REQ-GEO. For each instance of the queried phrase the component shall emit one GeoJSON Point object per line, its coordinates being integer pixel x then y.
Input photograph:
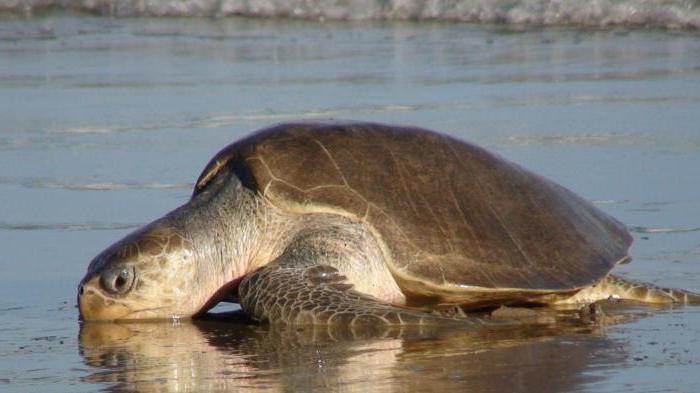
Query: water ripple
{"type": "Point", "coordinates": [221, 121]}
{"type": "Point", "coordinates": [95, 186]}
{"type": "Point", "coordinates": [111, 186]}
{"type": "Point", "coordinates": [65, 226]}
{"type": "Point", "coordinates": [642, 229]}
{"type": "Point", "coordinates": [688, 142]}
{"type": "Point", "coordinates": [609, 201]}
{"type": "Point", "coordinates": [576, 139]}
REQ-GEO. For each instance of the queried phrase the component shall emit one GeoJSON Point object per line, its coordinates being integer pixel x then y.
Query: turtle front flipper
{"type": "Point", "coordinates": [321, 295]}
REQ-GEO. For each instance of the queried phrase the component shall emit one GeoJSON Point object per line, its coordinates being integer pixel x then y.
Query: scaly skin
{"type": "Point", "coordinates": [320, 295]}
{"type": "Point", "coordinates": [616, 287]}
{"type": "Point", "coordinates": [331, 272]}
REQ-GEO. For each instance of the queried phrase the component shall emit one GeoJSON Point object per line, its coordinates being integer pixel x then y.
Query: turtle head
{"type": "Point", "coordinates": [177, 266]}
{"type": "Point", "coordinates": [147, 275]}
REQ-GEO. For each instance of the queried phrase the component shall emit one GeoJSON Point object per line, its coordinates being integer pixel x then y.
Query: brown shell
{"type": "Point", "coordinates": [449, 214]}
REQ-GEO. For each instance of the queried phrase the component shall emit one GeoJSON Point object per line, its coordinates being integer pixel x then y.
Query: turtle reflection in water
{"type": "Point", "coordinates": [216, 353]}
{"type": "Point", "coordinates": [345, 223]}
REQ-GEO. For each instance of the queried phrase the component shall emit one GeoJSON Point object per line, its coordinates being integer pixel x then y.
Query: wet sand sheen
{"type": "Point", "coordinates": [107, 123]}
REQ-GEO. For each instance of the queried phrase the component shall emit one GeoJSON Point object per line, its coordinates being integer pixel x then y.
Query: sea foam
{"type": "Point", "coordinates": [589, 13]}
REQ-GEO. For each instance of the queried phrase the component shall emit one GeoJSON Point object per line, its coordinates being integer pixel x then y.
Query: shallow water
{"type": "Point", "coordinates": [106, 123]}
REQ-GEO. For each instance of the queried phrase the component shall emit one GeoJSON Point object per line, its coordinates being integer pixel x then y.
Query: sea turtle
{"type": "Point", "coordinates": [363, 223]}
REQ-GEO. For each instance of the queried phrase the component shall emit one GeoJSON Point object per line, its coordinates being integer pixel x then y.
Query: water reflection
{"type": "Point", "coordinates": [230, 353]}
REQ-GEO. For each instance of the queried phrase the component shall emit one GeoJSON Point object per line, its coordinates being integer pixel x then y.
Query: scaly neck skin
{"type": "Point", "coordinates": [231, 236]}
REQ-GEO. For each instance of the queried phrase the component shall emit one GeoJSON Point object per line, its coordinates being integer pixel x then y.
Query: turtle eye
{"type": "Point", "coordinates": [119, 280]}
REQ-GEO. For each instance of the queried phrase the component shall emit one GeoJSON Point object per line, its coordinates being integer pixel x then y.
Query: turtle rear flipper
{"type": "Point", "coordinates": [321, 295]}
{"type": "Point", "coordinates": [616, 287]}
{"type": "Point", "coordinates": [648, 293]}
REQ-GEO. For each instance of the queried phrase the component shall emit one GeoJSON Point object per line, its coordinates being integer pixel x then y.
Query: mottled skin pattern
{"type": "Point", "coordinates": [364, 224]}
{"type": "Point", "coordinates": [615, 287]}
{"type": "Point", "coordinates": [164, 250]}
{"type": "Point", "coordinates": [320, 295]}
{"type": "Point", "coordinates": [305, 285]}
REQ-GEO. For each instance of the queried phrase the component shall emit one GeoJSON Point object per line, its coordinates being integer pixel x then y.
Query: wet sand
{"type": "Point", "coordinates": [106, 123]}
